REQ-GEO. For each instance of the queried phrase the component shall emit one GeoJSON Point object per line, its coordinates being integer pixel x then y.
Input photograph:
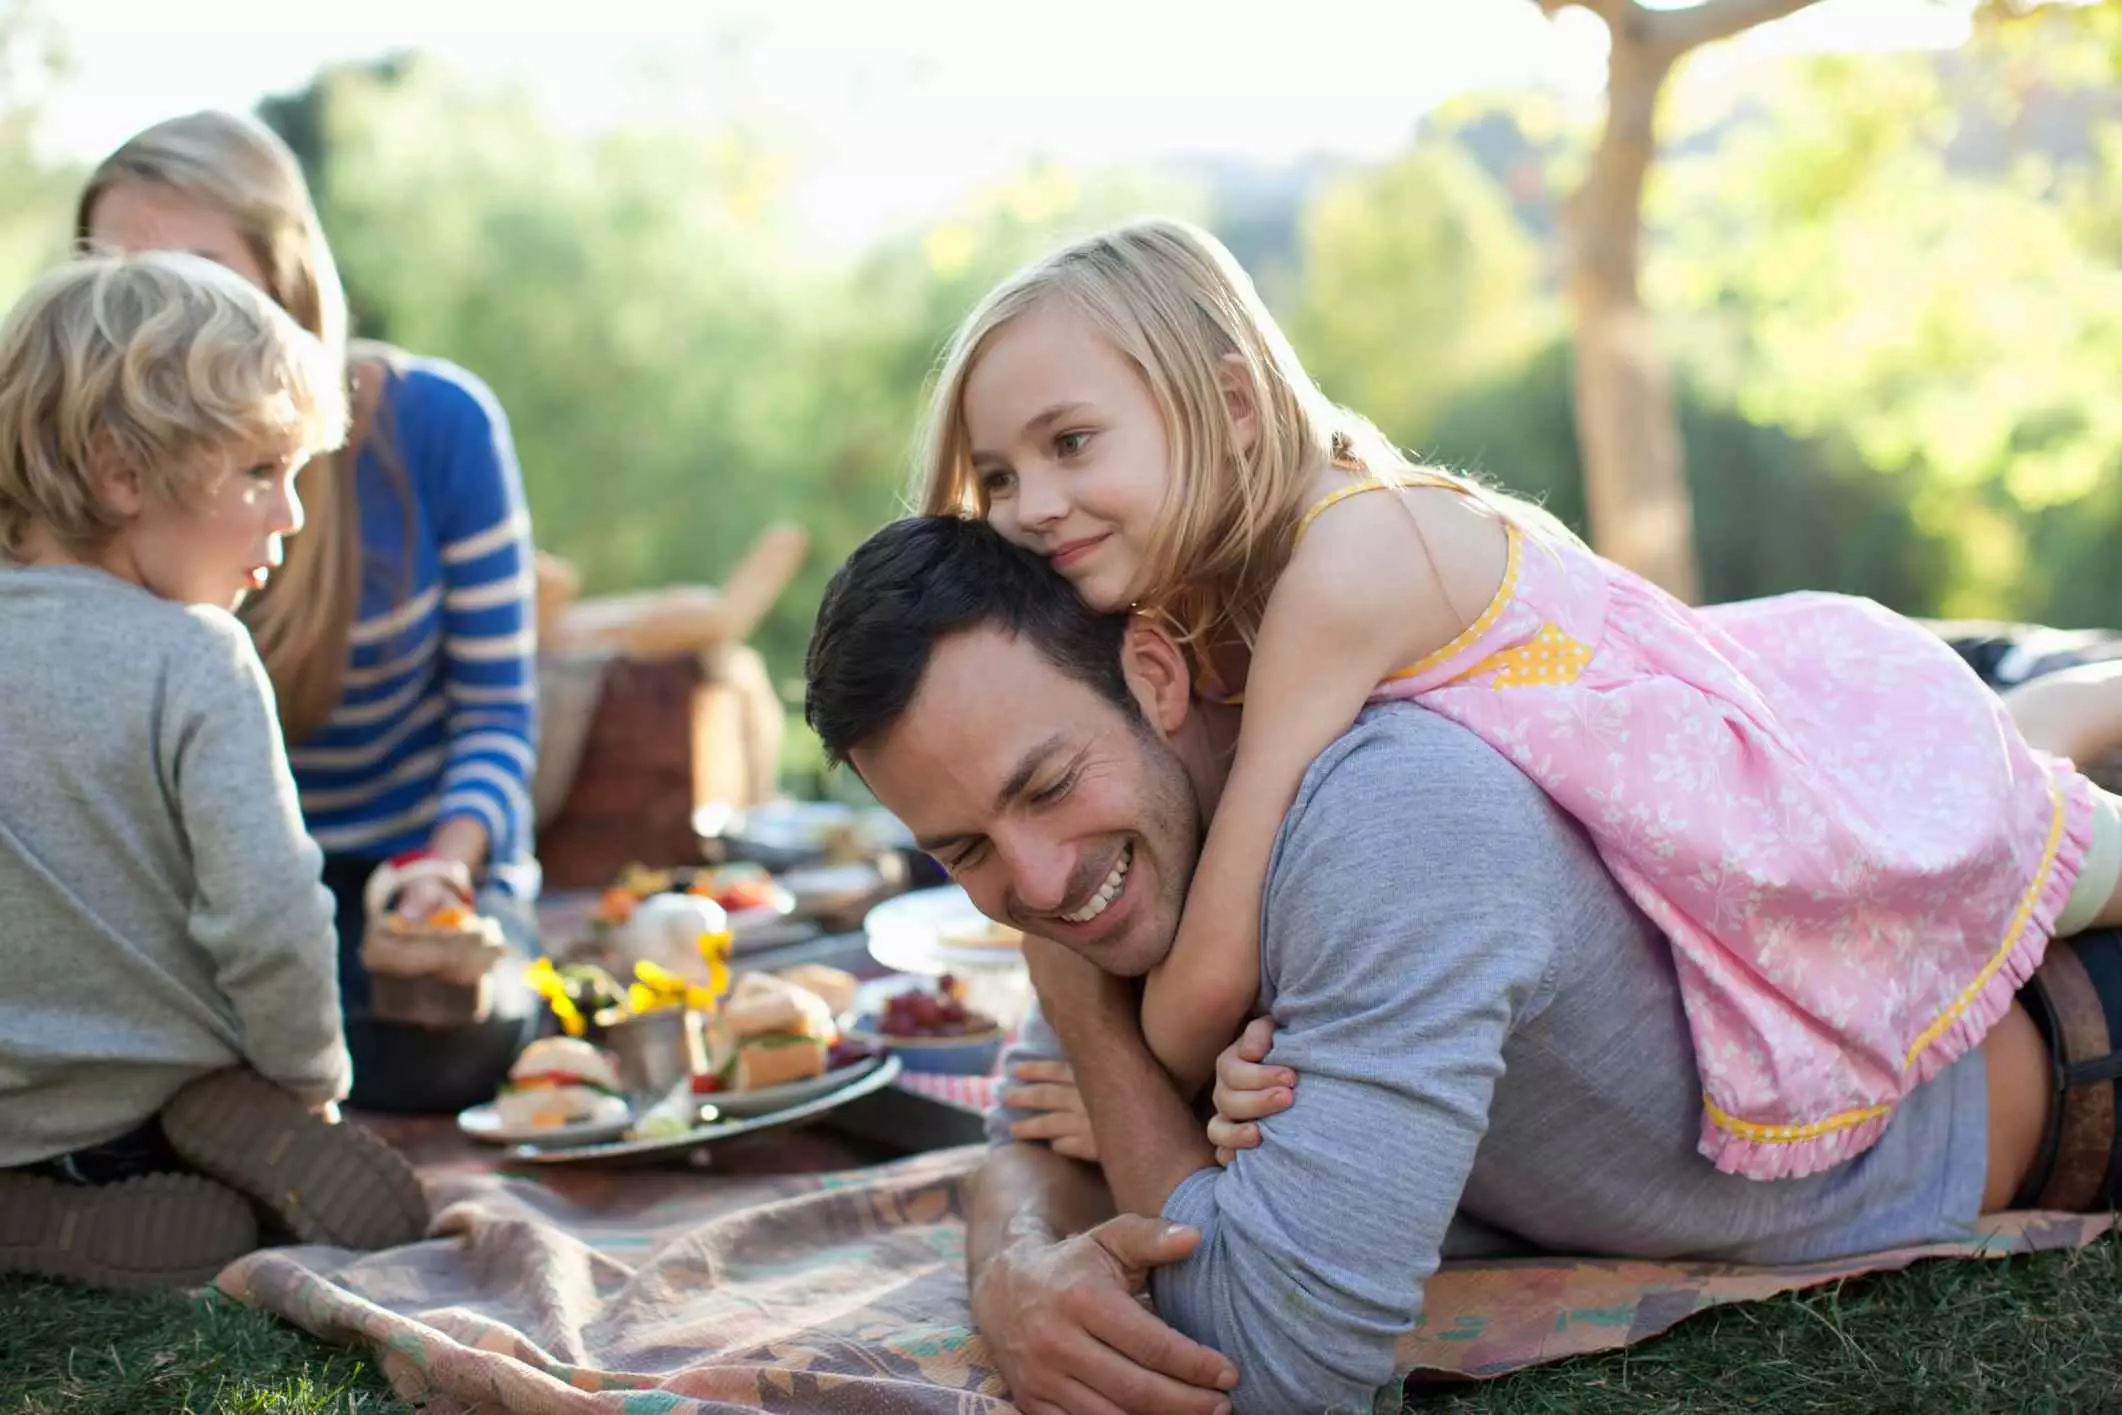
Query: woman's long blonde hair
{"type": "Point", "coordinates": [1180, 308]}
{"type": "Point", "coordinates": [237, 166]}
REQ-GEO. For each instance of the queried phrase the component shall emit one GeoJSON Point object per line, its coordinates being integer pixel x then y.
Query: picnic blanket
{"type": "Point", "coordinates": [763, 1285]}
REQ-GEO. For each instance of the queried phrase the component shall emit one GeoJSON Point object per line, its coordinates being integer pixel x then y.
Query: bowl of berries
{"type": "Point", "coordinates": [926, 1022]}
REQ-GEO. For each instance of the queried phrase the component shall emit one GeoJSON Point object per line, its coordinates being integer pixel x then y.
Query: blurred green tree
{"type": "Point", "coordinates": [1873, 280]}
{"type": "Point", "coordinates": [678, 374]}
{"type": "Point", "coordinates": [1414, 281]}
{"type": "Point", "coordinates": [36, 198]}
{"type": "Point", "coordinates": [1774, 510]}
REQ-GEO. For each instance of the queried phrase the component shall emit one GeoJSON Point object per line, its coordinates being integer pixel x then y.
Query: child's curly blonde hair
{"type": "Point", "coordinates": [151, 363]}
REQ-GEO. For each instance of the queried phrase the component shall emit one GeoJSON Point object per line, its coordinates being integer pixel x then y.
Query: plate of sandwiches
{"type": "Point", "coordinates": [774, 1056]}
{"type": "Point", "coordinates": [774, 1043]}
{"type": "Point", "coordinates": [940, 931]}
{"type": "Point", "coordinates": [561, 1091]}
{"type": "Point", "coordinates": [678, 1138]}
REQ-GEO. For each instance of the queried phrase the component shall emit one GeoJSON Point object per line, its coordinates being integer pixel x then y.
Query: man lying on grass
{"type": "Point", "coordinates": [1481, 1021]}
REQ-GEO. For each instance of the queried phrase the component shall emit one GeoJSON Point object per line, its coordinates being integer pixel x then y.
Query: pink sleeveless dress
{"type": "Point", "coordinates": [1856, 856]}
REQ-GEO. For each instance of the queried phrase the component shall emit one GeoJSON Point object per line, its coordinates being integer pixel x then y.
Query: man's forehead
{"type": "Point", "coordinates": [969, 668]}
{"type": "Point", "coordinates": [986, 701]}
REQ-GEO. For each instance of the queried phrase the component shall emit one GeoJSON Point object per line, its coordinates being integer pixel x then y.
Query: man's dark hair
{"type": "Point", "coordinates": [915, 583]}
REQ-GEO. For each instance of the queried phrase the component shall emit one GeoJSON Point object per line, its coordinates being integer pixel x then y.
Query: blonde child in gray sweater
{"type": "Point", "coordinates": [171, 1050]}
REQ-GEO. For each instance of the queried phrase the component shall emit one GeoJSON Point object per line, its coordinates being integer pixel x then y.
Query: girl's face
{"type": "Point", "coordinates": [216, 547]}
{"type": "Point", "coordinates": [1069, 450]}
{"type": "Point", "coordinates": [147, 216]}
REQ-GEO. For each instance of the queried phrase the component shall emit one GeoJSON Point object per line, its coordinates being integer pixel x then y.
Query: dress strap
{"type": "Point", "coordinates": [1369, 483]}
{"type": "Point", "coordinates": [1335, 498]}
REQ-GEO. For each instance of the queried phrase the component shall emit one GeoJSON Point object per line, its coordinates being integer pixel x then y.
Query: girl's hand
{"type": "Point", "coordinates": [1247, 1091]}
{"type": "Point", "coordinates": [1049, 1087]}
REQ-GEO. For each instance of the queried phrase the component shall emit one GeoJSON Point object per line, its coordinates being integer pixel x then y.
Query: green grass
{"type": "Point", "coordinates": [86, 1353]}
{"type": "Point", "coordinates": [2037, 1334]}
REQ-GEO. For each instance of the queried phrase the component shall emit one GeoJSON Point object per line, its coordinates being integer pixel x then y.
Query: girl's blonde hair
{"type": "Point", "coordinates": [237, 166]}
{"type": "Point", "coordinates": [1173, 301]}
{"type": "Point", "coordinates": [162, 364]}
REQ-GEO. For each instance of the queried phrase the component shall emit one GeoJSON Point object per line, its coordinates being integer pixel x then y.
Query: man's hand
{"type": "Point", "coordinates": [1073, 1336]}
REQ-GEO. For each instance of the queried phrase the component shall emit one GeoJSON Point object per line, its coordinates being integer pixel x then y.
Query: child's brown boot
{"type": "Point", "coordinates": [328, 1183]}
{"type": "Point", "coordinates": [161, 1230]}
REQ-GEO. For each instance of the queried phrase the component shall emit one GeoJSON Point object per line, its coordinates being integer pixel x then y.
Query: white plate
{"type": "Point", "coordinates": [761, 1099]}
{"type": "Point", "coordinates": [905, 934]}
{"type": "Point", "coordinates": [483, 1122]}
{"type": "Point", "coordinates": [881, 1074]}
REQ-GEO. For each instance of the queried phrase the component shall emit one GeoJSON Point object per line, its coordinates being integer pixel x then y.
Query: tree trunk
{"type": "Point", "coordinates": [1628, 428]}
{"type": "Point", "coordinates": [1635, 481]}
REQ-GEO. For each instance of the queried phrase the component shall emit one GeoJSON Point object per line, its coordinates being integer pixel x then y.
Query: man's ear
{"type": "Point", "coordinates": [114, 477]}
{"type": "Point", "coordinates": [1238, 400]}
{"type": "Point", "coordinates": [1157, 673]}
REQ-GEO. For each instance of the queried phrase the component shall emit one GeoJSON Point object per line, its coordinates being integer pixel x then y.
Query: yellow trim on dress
{"type": "Point", "coordinates": [1497, 603]}
{"type": "Point", "coordinates": [1505, 592]}
{"type": "Point", "coordinates": [1790, 1134]}
{"type": "Point", "coordinates": [1335, 498]}
{"type": "Point", "coordinates": [2019, 921]}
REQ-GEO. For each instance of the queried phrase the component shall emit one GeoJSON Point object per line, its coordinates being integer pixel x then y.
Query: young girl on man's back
{"type": "Point", "coordinates": [170, 1050]}
{"type": "Point", "coordinates": [1856, 855]}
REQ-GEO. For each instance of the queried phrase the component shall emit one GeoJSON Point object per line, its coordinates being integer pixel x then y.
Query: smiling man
{"type": "Point", "coordinates": [1480, 1021]}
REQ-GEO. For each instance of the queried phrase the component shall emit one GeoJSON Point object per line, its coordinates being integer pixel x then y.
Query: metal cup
{"type": "Point", "coordinates": [655, 1050]}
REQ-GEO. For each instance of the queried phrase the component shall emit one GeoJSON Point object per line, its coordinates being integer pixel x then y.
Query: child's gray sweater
{"type": "Point", "coordinates": [161, 910]}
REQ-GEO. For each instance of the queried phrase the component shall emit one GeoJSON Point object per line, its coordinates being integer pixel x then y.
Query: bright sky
{"type": "Point", "coordinates": [898, 106]}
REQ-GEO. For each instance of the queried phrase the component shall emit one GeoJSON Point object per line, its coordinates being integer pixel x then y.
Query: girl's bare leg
{"type": "Point", "coordinates": [2074, 712]}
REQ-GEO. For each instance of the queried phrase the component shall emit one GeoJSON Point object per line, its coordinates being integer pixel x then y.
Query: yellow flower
{"type": "Point", "coordinates": [714, 947]}
{"type": "Point", "coordinates": [660, 987]}
{"type": "Point", "coordinates": [544, 980]}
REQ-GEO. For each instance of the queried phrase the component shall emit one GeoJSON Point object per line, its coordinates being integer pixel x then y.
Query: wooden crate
{"type": "Point", "coordinates": [669, 736]}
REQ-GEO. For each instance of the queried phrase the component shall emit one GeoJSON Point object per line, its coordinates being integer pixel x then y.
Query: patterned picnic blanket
{"type": "Point", "coordinates": [764, 1284]}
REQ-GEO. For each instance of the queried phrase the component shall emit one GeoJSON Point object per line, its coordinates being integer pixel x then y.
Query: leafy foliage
{"type": "Point", "coordinates": [1893, 284]}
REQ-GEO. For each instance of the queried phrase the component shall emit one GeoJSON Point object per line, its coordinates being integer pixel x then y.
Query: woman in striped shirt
{"type": "Point", "coordinates": [400, 635]}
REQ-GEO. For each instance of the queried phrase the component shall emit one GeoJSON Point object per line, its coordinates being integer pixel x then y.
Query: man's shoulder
{"type": "Point", "coordinates": [1399, 758]}
{"type": "Point", "coordinates": [1408, 802]}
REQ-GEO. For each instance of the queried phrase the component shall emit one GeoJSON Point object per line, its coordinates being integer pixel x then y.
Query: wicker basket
{"type": "Point", "coordinates": [434, 974]}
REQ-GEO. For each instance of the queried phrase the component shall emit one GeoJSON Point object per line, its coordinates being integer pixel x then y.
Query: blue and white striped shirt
{"type": "Point", "coordinates": [438, 717]}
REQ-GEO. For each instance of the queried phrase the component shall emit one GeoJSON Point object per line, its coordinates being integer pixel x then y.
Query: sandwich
{"type": "Point", "coordinates": [835, 985]}
{"type": "Point", "coordinates": [560, 1081]}
{"type": "Point", "coordinates": [769, 1032]}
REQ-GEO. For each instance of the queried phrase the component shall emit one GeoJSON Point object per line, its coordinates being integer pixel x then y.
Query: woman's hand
{"type": "Point", "coordinates": [421, 898]}
{"type": "Point", "coordinates": [1049, 1087]}
{"type": "Point", "coordinates": [1247, 1091]}
{"type": "Point", "coordinates": [460, 838]}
